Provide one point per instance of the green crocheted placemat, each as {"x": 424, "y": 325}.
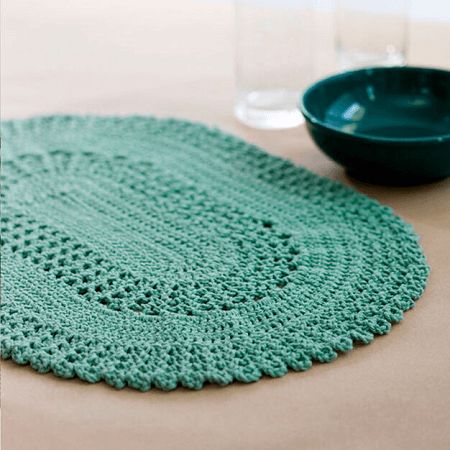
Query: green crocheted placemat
{"x": 159, "y": 253}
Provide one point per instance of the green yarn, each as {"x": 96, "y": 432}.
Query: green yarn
{"x": 158, "y": 253}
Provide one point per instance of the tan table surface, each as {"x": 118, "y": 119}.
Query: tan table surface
{"x": 175, "y": 58}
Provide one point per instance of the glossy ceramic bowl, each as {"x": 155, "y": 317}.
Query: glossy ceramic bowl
{"x": 385, "y": 125}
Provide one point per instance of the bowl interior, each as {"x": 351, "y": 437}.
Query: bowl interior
{"x": 390, "y": 103}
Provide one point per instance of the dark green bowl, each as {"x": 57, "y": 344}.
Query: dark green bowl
{"x": 385, "y": 125}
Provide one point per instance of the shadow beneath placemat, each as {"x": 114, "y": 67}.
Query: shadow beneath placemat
{"x": 29, "y": 375}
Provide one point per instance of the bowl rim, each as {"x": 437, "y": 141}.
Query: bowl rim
{"x": 438, "y": 138}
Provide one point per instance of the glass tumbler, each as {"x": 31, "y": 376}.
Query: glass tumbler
{"x": 273, "y": 61}
{"x": 371, "y": 33}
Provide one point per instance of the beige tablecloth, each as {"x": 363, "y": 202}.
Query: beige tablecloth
{"x": 175, "y": 58}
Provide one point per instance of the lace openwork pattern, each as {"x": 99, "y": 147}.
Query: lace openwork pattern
{"x": 159, "y": 253}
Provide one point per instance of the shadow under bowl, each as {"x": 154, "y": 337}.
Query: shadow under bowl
{"x": 387, "y": 125}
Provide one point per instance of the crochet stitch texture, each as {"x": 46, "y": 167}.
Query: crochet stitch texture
{"x": 158, "y": 253}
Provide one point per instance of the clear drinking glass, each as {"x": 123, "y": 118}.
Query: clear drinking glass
{"x": 371, "y": 33}
{"x": 273, "y": 61}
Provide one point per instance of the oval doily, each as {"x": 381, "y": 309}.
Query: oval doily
{"x": 159, "y": 253}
